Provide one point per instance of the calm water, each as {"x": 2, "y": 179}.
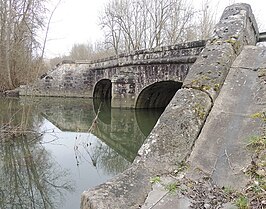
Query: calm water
{"x": 53, "y": 149}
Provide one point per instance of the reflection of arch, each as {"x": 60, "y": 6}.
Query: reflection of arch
{"x": 105, "y": 110}
{"x": 102, "y": 89}
{"x": 157, "y": 95}
{"x": 147, "y": 118}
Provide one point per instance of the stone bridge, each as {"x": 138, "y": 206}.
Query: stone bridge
{"x": 141, "y": 79}
{"x": 201, "y": 138}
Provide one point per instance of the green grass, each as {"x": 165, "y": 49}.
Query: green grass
{"x": 241, "y": 202}
{"x": 156, "y": 179}
{"x": 172, "y": 187}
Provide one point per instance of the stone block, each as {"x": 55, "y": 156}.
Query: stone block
{"x": 252, "y": 57}
{"x": 237, "y": 26}
{"x": 127, "y": 190}
{"x": 228, "y": 129}
{"x": 172, "y": 139}
{"x": 209, "y": 71}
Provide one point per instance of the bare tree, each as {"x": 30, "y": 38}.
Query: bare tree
{"x": 109, "y": 24}
{"x": 88, "y": 52}
{"x": 20, "y": 21}
{"x": 81, "y": 52}
{"x": 135, "y": 24}
{"x": 179, "y": 22}
{"x": 206, "y": 20}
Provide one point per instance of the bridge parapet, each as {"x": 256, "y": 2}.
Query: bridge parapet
{"x": 144, "y": 56}
{"x": 165, "y": 54}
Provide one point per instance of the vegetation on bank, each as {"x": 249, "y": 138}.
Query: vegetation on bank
{"x": 20, "y": 50}
{"x": 255, "y": 191}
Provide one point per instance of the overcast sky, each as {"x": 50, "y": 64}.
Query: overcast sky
{"x": 76, "y": 21}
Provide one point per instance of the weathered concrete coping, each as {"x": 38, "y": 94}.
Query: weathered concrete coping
{"x": 125, "y": 63}
{"x": 231, "y": 123}
{"x": 172, "y": 139}
{"x": 236, "y": 28}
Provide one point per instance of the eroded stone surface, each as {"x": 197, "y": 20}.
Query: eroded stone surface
{"x": 230, "y": 124}
{"x": 237, "y": 27}
{"x": 127, "y": 190}
{"x": 211, "y": 68}
{"x": 252, "y": 57}
{"x": 161, "y": 197}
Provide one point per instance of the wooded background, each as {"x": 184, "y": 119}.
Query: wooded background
{"x": 128, "y": 25}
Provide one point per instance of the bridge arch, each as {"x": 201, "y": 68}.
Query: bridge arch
{"x": 103, "y": 89}
{"x": 157, "y": 95}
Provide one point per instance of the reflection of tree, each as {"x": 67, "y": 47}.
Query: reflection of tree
{"x": 114, "y": 127}
{"x": 99, "y": 155}
{"x": 112, "y": 162}
{"x": 28, "y": 177}
{"x": 16, "y": 118}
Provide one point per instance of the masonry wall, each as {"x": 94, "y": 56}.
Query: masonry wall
{"x": 129, "y": 73}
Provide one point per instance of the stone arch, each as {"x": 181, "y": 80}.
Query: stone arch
{"x": 103, "y": 89}
{"x": 157, "y": 95}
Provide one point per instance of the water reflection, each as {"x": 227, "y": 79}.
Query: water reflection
{"x": 66, "y": 141}
{"x": 117, "y": 128}
{"x": 104, "y": 108}
{"x": 99, "y": 155}
{"x": 29, "y": 178}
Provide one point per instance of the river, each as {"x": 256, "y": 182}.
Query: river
{"x": 53, "y": 149}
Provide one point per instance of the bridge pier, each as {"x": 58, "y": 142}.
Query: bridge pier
{"x": 123, "y": 91}
{"x": 156, "y": 95}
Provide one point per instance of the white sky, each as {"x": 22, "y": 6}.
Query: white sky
{"x": 76, "y": 21}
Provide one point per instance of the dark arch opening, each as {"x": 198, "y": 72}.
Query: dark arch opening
{"x": 102, "y": 89}
{"x": 158, "y": 95}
